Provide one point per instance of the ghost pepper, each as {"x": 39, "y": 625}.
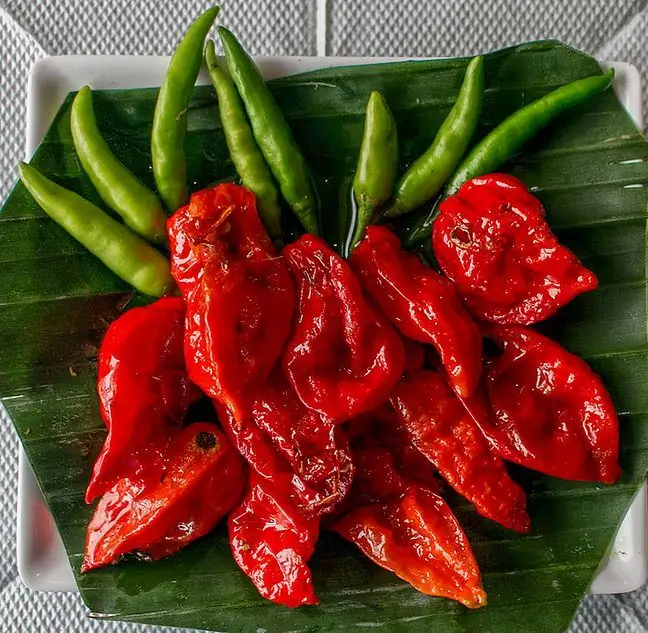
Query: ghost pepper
{"x": 178, "y": 499}
{"x": 272, "y": 542}
{"x": 301, "y": 452}
{"x": 341, "y": 358}
{"x": 544, "y": 408}
{"x": 438, "y": 425}
{"x": 239, "y": 293}
{"x": 143, "y": 386}
{"x": 409, "y": 530}
{"x": 422, "y": 304}
{"x": 493, "y": 241}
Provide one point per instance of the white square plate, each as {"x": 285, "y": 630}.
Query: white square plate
{"x": 42, "y": 562}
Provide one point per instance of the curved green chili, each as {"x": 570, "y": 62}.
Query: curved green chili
{"x": 273, "y": 134}
{"x": 244, "y": 151}
{"x": 140, "y": 208}
{"x": 121, "y": 250}
{"x": 508, "y": 138}
{"x": 425, "y": 178}
{"x": 513, "y": 133}
{"x": 170, "y": 118}
{"x": 377, "y": 164}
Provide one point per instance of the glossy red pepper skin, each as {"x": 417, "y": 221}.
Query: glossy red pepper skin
{"x": 438, "y": 425}
{"x": 409, "y": 530}
{"x": 414, "y": 357}
{"x": 272, "y": 542}
{"x": 302, "y": 453}
{"x": 202, "y": 510}
{"x": 422, "y": 304}
{"x": 409, "y": 460}
{"x": 381, "y": 427}
{"x": 544, "y": 408}
{"x": 377, "y": 476}
{"x": 341, "y": 358}
{"x": 143, "y": 387}
{"x": 493, "y": 240}
{"x": 184, "y": 488}
{"x": 239, "y": 294}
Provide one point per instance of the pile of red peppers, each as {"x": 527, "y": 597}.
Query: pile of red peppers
{"x": 345, "y": 395}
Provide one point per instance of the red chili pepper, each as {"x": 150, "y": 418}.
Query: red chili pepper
{"x": 544, "y": 408}
{"x": 339, "y": 345}
{"x": 422, "y": 304}
{"x": 411, "y": 463}
{"x": 493, "y": 240}
{"x": 150, "y": 513}
{"x": 382, "y": 428}
{"x": 414, "y": 356}
{"x": 409, "y": 530}
{"x": 439, "y": 426}
{"x": 272, "y": 542}
{"x": 376, "y": 476}
{"x": 239, "y": 293}
{"x": 298, "y": 450}
{"x": 143, "y": 386}
{"x": 202, "y": 510}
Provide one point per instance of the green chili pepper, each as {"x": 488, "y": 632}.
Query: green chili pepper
{"x": 507, "y": 139}
{"x": 121, "y": 250}
{"x": 377, "y": 164}
{"x": 272, "y": 134}
{"x": 244, "y": 151}
{"x": 425, "y": 178}
{"x": 140, "y": 208}
{"x": 170, "y": 118}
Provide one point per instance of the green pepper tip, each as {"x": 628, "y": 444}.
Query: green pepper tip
{"x": 228, "y": 38}
{"x": 224, "y": 32}
{"x": 212, "y": 11}
{"x": 376, "y": 98}
{"x": 84, "y": 93}
{"x": 210, "y": 54}
{"x": 26, "y": 171}
{"x": 476, "y": 66}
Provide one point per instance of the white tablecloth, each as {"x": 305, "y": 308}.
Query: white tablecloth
{"x": 31, "y": 29}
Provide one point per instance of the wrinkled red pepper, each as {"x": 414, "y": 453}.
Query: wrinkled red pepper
{"x": 302, "y": 453}
{"x": 143, "y": 387}
{"x": 414, "y": 357}
{"x": 438, "y": 425}
{"x": 381, "y": 427}
{"x": 422, "y": 304}
{"x": 341, "y": 358}
{"x": 239, "y": 293}
{"x": 377, "y": 477}
{"x": 409, "y": 530}
{"x": 272, "y": 542}
{"x": 544, "y": 408}
{"x": 411, "y": 463}
{"x": 493, "y": 240}
{"x": 178, "y": 499}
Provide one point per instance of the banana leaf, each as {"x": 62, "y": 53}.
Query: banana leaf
{"x": 590, "y": 171}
